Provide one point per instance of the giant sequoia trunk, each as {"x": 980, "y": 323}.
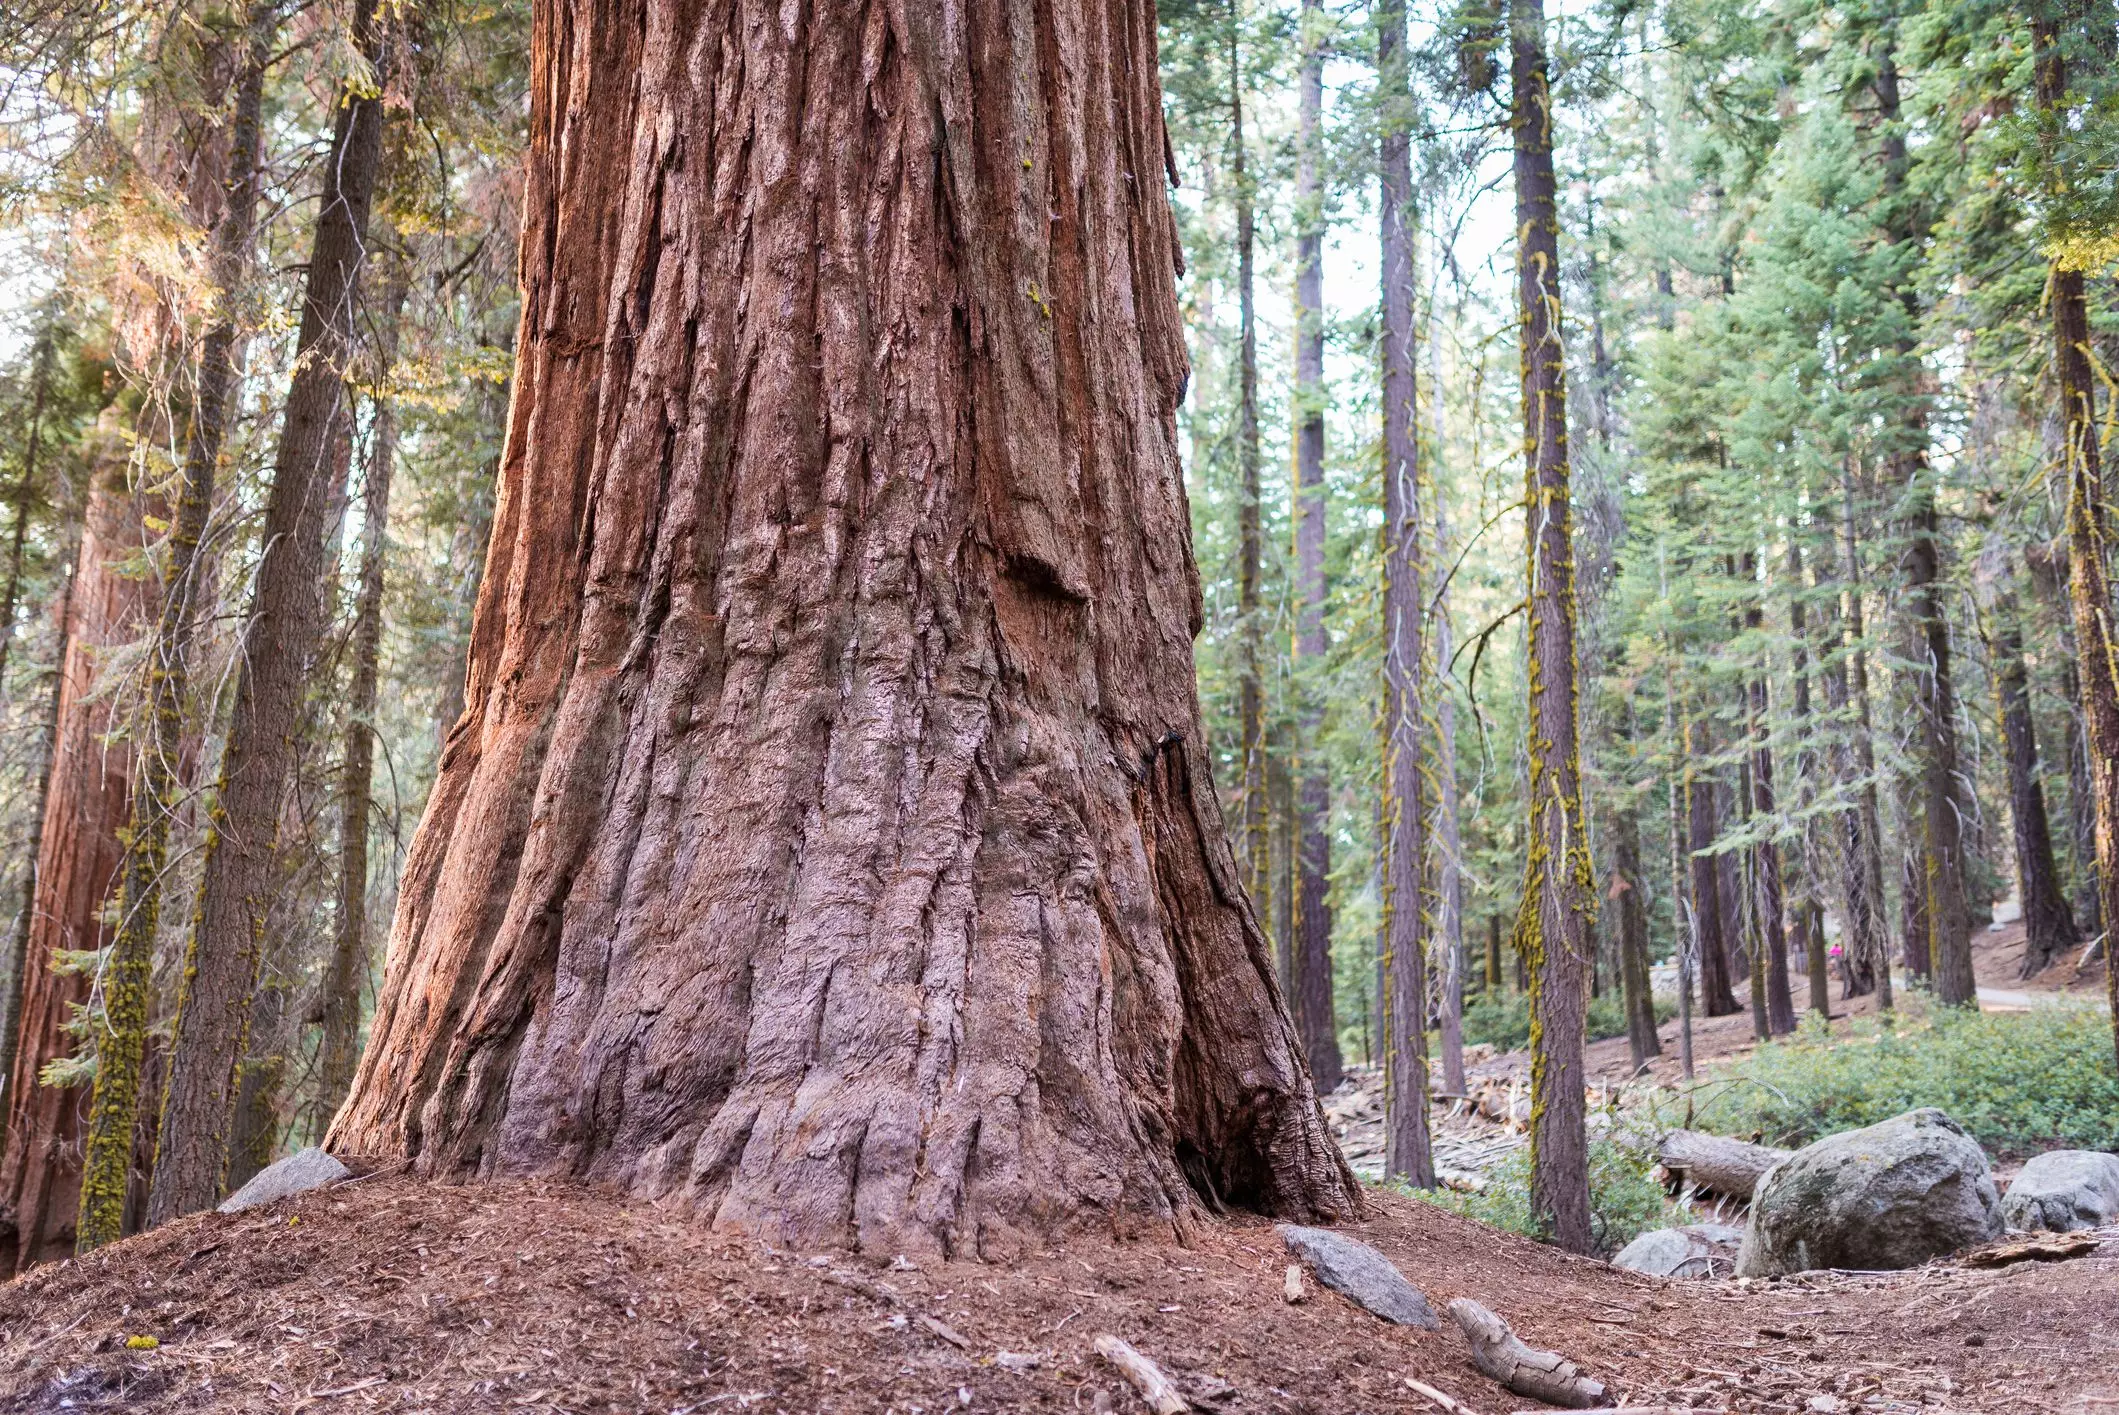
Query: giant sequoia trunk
{"x": 828, "y": 841}
{"x": 84, "y": 809}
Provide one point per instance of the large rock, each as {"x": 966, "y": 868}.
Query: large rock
{"x": 1696, "y": 1250}
{"x": 304, "y": 1170}
{"x": 1889, "y": 1196}
{"x": 2064, "y": 1190}
{"x": 1349, "y": 1266}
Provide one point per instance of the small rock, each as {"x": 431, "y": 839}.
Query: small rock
{"x": 1293, "y": 1288}
{"x": 2065, "y": 1190}
{"x": 1696, "y": 1250}
{"x": 299, "y": 1172}
{"x": 1017, "y": 1361}
{"x": 1826, "y": 1404}
{"x": 1354, "y": 1269}
{"x": 1886, "y": 1197}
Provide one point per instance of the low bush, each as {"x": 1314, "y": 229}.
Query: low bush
{"x": 1502, "y": 1020}
{"x": 2020, "y": 1082}
{"x": 1625, "y": 1200}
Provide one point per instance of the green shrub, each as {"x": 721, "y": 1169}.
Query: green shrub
{"x": 1624, "y": 1198}
{"x": 1503, "y": 1020}
{"x": 2020, "y": 1082}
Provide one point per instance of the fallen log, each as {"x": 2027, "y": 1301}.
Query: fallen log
{"x": 1155, "y": 1388}
{"x": 1716, "y": 1163}
{"x": 1541, "y": 1375}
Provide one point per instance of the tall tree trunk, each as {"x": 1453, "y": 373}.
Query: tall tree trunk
{"x": 2049, "y": 926}
{"x": 1558, "y": 909}
{"x": 2089, "y": 527}
{"x": 1684, "y": 915}
{"x": 1315, "y": 1010}
{"x": 78, "y": 852}
{"x": 2049, "y": 579}
{"x": 1256, "y": 849}
{"x": 280, "y": 639}
{"x": 1717, "y": 994}
{"x": 1808, "y": 911}
{"x": 1642, "y": 1044}
{"x": 1408, "y": 1151}
{"x": 1867, "y": 827}
{"x": 831, "y": 845}
{"x": 1449, "y": 852}
{"x": 18, "y": 932}
{"x": 1941, "y": 864}
{"x": 114, "y": 1109}
{"x": 1766, "y": 854}
{"x": 339, "y": 1005}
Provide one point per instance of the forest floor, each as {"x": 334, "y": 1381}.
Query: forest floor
{"x": 391, "y": 1294}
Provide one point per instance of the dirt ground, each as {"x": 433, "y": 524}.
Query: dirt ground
{"x": 390, "y": 1294}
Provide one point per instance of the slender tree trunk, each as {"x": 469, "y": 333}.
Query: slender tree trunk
{"x": 1315, "y": 1009}
{"x": 1558, "y": 909}
{"x": 1493, "y": 954}
{"x": 1255, "y": 842}
{"x": 1409, "y": 1153}
{"x": 1717, "y": 993}
{"x": 1868, "y": 842}
{"x": 1766, "y": 855}
{"x": 280, "y": 639}
{"x": 85, "y": 798}
{"x": 831, "y": 845}
{"x": 1941, "y": 864}
{"x": 2089, "y": 528}
{"x": 339, "y": 1006}
{"x": 1642, "y": 1044}
{"x": 114, "y": 1109}
{"x": 18, "y": 932}
{"x": 2049, "y": 926}
{"x": 1449, "y": 862}
{"x": 2049, "y": 578}
{"x": 1684, "y": 914}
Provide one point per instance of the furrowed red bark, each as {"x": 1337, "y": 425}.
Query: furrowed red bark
{"x": 828, "y": 843}
{"x": 1408, "y": 1152}
{"x": 1315, "y": 1009}
{"x": 280, "y": 639}
{"x": 2088, "y": 526}
{"x": 1558, "y": 909}
{"x": 114, "y": 1107}
{"x": 78, "y": 851}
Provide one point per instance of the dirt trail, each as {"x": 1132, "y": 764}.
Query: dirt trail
{"x": 393, "y": 1295}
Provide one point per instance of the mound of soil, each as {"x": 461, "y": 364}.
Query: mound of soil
{"x": 387, "y": 1293}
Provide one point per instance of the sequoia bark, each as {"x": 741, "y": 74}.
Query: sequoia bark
{"x": 828, "y": 840}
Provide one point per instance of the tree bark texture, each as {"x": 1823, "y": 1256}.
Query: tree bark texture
{"x": 1408, "y": 1150}
{"x": 339, "y": 1006}
{"x": 2049, "y": 577}
{"x": 2088, "y": 533}
{"x": 2048, "y": 923}
{"x": 1449, "y": 839}
{"x": 1636, "y": 986}
{"x": 1315, "y": 1009}
{"x": 107, "y": 1176}
{"x": 1717, "y": 994}
{"x": 1558, "y": 912}
{"x": 1807, "y": 916}
{"x": 828, "y": 842}
{"x": 18, "y": 931}
{"x": 78, "y": 850}
{"x": 1256, "y": 840}
{"x": 1766, "y": 856}
{"x": 280, "y": 639}
{"x": 1870, "y": 924}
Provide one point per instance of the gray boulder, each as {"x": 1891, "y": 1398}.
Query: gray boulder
{"x": 1354, "y": 1269}
{"x": 1696, "y": 1250}
{"x": 1889, "y": 1196}
{"x": 304, "y": 1170}
{"x": 2064, "y": 1190}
